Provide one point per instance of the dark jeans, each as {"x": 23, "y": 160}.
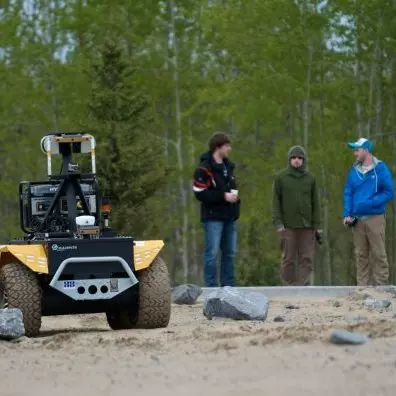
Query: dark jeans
{"x": 223, "y": 235}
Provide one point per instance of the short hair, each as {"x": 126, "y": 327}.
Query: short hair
{"x": 217, "y": 140}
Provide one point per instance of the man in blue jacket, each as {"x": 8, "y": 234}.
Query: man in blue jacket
{"x": 368, "y": 188}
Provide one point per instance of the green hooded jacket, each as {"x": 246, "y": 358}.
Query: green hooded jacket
{"x": 295, "y": 202}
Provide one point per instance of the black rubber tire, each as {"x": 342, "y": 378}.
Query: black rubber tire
{"x": 23, "y": 291}
{"x": 155, "y": 303}
{"x": 119, "y": 320}
{"x": 154, "y": 296}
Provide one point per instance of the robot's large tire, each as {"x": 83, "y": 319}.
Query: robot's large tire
{"x": 154, "y": 296}
{"x": 21, "y": 289}
{"x": 119, "y": 320}
{"x": 154, "y": 309}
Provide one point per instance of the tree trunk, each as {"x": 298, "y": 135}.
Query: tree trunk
{"x": 179, "y": 147}
{"x": 392, "y": 109}
{"x": 379, "y": 104}
{"x": 372, "y": 87}
{"x": 53, "y": 34}
{"x": 359, "y": 111}
{"x": 307, "y": 101}
{"x": 306, "y": 111}
{"x": 327, "y": 258}
{"x": 194, "y": 250}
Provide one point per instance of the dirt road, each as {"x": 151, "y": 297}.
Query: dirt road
{"x": 79, "y": 355}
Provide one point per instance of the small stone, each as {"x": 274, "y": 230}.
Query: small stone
{"x": 155, "y": 358}
{"x": 186, "y": 294}
{"x": 387, "y": 289}
{"x": 376, "y": 304}
{"x": 291, "y": 306}
{"x": 341, "y": 336}
{"x": 278, "y": 319}
{"x": 11, "y": 324}
{"x": 358, "y": 295}
{"x": 337, "y": 304}
{"x": 356, "y": 318}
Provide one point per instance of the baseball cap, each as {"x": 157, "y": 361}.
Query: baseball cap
{"x": 362, "y": 143}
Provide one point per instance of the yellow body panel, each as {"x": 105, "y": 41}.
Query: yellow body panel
{"x": 35, "y": 257}
{"x": 145, "y": 253}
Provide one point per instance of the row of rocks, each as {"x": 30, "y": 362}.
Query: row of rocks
{"x": 226, "y": 302}
{"x": 231, "y": 303}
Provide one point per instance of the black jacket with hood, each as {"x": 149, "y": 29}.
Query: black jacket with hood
{"x": 211, "y": 181}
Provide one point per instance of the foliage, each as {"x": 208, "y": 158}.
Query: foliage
{"x": 154, "y": 80}
{"x": 131, "y": 165}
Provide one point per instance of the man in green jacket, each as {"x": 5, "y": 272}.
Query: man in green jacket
{"x": 296, "y": 216}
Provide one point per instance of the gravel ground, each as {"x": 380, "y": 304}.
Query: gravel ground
{"x": 289, "y": 353}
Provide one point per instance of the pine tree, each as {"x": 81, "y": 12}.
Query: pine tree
{"x": 130, "y": 158}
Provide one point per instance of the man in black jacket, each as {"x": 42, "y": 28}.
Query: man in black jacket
{"x": 215, "y": 187}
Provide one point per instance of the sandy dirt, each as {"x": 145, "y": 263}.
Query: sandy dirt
{"x": 80, "y": 355}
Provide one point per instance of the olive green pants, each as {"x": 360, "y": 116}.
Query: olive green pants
{"x": 297, "y": 245}
{"x": 370, "y": 251}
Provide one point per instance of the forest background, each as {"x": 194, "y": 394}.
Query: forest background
{"x": 152, "y": 80}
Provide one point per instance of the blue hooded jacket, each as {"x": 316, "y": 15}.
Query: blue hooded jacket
{"x": 367, "y": 194}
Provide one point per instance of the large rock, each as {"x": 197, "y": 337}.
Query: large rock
{"x": 11, "y": 324}
{"x": 229, "y": 302}
{"x": 186, "y": 294}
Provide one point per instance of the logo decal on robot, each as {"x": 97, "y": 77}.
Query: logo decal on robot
{"x": 62, "y": 248}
